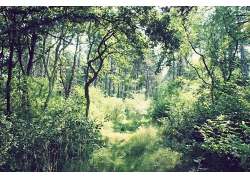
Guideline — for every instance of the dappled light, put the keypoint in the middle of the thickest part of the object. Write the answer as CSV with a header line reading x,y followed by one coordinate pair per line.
x,y
124,89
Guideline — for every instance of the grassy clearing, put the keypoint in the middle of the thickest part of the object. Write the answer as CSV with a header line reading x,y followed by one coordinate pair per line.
x,y
130,142
140,151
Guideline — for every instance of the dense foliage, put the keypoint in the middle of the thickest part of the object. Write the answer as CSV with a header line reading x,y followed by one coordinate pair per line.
x,y
124,89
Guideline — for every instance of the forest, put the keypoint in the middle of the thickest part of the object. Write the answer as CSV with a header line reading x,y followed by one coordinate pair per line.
x,y
124,89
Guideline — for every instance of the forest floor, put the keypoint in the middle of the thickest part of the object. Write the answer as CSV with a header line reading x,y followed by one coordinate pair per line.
x,y
133,151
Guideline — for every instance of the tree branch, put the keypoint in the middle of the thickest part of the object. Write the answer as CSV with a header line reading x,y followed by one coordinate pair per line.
x,y
197,72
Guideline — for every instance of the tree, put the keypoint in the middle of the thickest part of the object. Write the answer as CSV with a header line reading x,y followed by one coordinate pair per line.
x,y
217,38
125,25
217,43
36,62
90,80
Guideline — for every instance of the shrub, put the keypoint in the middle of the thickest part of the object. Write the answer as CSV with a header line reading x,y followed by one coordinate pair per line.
x,y
224,128
114,109
50,141
144,139
174,110
137,106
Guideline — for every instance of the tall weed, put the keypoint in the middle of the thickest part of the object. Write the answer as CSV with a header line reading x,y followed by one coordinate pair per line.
x,y
140,152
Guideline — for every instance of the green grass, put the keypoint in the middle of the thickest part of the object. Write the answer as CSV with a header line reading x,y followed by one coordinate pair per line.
x,y
138,151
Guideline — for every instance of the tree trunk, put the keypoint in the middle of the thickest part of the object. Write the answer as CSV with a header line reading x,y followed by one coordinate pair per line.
x,y
244,65
86,89
118,90
90,80
73,69
109,87
147,83
52,77
180,67
31,53
10,66
173,70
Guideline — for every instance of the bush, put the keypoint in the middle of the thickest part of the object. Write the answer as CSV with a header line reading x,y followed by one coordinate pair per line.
x,y
50,141
174,110
114,109
137,106
126,115
224,127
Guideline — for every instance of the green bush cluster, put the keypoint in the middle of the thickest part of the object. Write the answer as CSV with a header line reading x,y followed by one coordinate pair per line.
x,y
125,114
114,109
213,135
137,106
173,110
226,128
59,138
